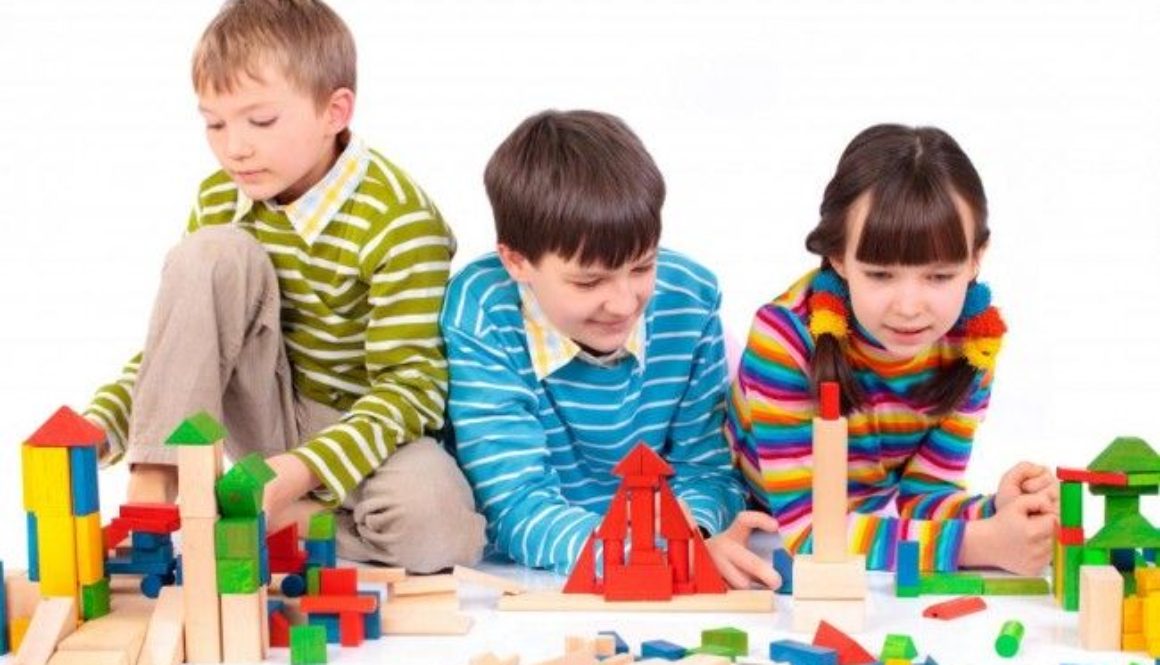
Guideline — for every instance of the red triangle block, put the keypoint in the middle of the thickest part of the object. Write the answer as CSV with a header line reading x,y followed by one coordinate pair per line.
x,y
849,651
67,429
583,576
642,461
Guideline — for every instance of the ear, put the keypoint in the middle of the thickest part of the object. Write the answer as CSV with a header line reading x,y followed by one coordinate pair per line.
x,y
339,110
839,266
516,264
978,259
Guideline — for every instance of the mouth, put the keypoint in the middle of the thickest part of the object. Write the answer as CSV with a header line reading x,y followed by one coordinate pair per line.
x,y
249,175
908,332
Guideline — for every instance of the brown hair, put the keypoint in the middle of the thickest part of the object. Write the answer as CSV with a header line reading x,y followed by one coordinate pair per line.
x,y
305,38
911,175
575,183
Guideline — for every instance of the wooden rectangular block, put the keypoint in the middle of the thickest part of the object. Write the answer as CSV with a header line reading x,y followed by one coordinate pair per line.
x,y
90,549
1150,614
435,622
263,599
198,468
830,454
89,658
165,633
123,632
444,601
380,575
54,619
57,549
1133,615
1100,608
242,628
415,585
203,626
737,600
820,580
472,576
52,493
848,615
21,595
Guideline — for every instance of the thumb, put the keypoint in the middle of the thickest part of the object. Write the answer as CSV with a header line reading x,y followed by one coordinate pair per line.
x,y
1033,504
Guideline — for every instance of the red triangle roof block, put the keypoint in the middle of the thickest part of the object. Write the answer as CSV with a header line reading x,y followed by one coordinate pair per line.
x,y
66,429
642,461
849,651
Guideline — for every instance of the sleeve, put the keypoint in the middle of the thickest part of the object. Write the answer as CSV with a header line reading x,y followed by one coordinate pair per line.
x,y
407,265
705,478
770,426
503,450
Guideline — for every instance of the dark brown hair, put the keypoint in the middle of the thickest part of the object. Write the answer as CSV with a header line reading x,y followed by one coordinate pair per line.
x,y
575,183
910,175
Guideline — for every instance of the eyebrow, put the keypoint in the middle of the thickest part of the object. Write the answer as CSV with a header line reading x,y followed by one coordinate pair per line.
x,y
591,273
244,109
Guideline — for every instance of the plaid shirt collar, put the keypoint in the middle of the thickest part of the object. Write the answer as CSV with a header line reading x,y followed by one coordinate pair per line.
x,y
551,349
311,212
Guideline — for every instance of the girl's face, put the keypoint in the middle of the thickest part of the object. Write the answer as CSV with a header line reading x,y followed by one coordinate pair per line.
x,y
906,308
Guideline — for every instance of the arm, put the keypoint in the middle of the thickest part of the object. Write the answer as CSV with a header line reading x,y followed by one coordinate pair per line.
x,y
407,265
502,447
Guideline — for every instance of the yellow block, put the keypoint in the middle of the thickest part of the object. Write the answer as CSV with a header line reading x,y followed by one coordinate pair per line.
x,y
57,548
90,549
1133,615
46,475
16,629
1154,648
1147,581
1134,642
1151,615
1057,573
30,474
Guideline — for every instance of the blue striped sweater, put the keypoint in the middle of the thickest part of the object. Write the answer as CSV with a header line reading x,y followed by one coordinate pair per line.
x,y
539,453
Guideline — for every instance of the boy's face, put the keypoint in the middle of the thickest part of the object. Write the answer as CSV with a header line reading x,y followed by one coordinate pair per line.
x,y
595,306
273,139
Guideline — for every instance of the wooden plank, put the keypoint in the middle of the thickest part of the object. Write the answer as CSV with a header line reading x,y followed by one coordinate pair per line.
x,y
1101,598
412,586
738,600
472,576
413,622
830,454
120,631
242,627
165,634
380,575
53,620
114,657
203,626
434,601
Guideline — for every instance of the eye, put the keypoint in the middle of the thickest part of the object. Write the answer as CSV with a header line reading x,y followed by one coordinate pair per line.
x,y
942,277
590,284
645,269
214,126
879,275
263,122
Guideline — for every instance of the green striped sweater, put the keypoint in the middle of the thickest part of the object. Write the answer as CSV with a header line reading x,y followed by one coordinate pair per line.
x,y
360,310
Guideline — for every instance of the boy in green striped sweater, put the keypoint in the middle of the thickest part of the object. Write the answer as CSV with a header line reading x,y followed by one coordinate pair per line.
x,y
301,307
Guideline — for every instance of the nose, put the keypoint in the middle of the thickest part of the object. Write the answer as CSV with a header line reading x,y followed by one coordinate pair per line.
x,y
621,300
908,299
238,144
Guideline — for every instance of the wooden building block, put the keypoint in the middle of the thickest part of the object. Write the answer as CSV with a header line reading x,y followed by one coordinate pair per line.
x,y
165,634
264,603
955,608
89,658
1150,615
203,625
17,629
21,595
90,548
52,494
440,601
1133,615
412,622
738,600
123,632
198,468
85,494
57,548
421,584
54,619
847,615
820,580
472,576
380,575
242,616
830,476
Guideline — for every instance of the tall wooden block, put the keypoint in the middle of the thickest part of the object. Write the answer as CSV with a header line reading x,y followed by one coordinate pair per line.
x,y
83,478
198,468
51,493
203,626
164,637
1100,608
242,628
822,580
53,620
830,455
90,548
57,548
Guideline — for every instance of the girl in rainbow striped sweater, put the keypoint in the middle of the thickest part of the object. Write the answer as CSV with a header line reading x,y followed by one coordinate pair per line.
x,y
895,316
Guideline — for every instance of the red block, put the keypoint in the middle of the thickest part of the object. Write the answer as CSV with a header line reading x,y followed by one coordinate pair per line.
x,y
849,651
955,608
279,630
1093,477
158,511
338,582
114,533
583,576
66,428
638,582
148,525
351,630
287,564
338,604
1069,535
283,543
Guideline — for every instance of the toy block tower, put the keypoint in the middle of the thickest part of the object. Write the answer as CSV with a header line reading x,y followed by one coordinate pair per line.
x,y
199,464
243,565
65,544
829,583
684,566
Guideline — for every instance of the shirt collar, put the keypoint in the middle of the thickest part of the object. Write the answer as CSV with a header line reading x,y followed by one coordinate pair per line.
x,y
551,349
311,212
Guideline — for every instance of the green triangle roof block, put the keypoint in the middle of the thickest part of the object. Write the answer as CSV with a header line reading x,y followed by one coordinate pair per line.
x,y
1131,532
200,429
255,465
1128,454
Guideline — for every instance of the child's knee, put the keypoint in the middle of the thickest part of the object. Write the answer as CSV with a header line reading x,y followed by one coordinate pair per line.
x,y
213,250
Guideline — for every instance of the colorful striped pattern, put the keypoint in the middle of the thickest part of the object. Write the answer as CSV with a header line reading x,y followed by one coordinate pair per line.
x,y
906,468
539,453
360,308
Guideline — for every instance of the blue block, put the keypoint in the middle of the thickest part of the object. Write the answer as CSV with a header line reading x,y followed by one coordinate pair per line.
x,y
783,564
177,571
1150,555
373,622
82,462
123,566
321,553
662,649
3,613
293,586
274,605
907,564
621,645
800,653
1124,560
148,542
930,661
163,554
263,553
330,623
33,551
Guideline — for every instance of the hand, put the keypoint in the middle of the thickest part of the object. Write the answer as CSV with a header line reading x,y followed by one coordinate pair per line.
x,y
730,551
292,479
1027,478
1019,538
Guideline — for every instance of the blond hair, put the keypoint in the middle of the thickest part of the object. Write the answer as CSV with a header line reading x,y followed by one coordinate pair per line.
x,y
306,39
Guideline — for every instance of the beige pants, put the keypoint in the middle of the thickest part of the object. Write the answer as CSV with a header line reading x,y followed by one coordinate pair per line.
x,y
215,343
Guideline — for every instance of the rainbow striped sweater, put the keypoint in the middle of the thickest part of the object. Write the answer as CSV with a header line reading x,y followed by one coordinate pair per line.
x,y
906,473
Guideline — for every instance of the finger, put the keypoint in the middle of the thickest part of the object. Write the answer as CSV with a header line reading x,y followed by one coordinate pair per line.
x,y
1037,483
757,568
1032,504
733,577
748,520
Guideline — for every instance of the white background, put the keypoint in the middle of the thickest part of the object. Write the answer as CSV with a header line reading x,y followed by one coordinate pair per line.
x,y
746,106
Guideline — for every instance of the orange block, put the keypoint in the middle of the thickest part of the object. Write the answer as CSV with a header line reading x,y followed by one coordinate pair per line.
x,y
1134,642
1133,615
16,630
1147,581
90,549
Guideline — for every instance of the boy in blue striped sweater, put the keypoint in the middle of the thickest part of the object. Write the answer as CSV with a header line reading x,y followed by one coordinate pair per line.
x,y
578,339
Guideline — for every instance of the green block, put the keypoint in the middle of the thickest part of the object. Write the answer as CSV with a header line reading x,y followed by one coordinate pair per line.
x,y
1131,532
1096,557
898,647
1118,507
255,465
1007,644
1015,586
907,591
95,599
1129,584
1113,490
713,650
322,526
307,645
238,495
313,580
1071,504
1128,454
236,538
953,584
1072,559
1137,479
199,429
727,637
237,576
